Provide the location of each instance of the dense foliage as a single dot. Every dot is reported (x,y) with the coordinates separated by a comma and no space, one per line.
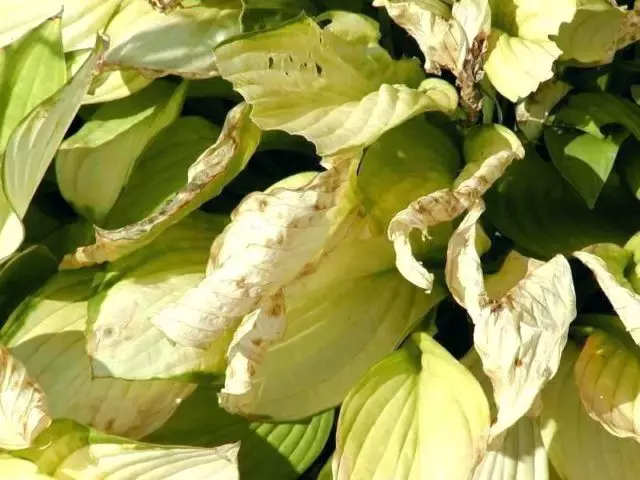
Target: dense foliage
(279,239)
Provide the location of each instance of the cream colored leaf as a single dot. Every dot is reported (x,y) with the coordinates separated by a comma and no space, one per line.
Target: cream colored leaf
(248,348)
(519,333)
(23,411)
(497,147)
(217,166)
(270,240)
(610,277)
(607,374)
(12,467)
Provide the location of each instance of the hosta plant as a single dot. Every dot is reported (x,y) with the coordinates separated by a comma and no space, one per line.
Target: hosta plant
(353,240)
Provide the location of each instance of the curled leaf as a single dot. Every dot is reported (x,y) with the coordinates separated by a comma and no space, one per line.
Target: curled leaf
(248,348)
(214,169)
(607,374)
(521,319)
(491,150)
(23,411)
(533,111)
(607,262)
(451,38)
(271,239)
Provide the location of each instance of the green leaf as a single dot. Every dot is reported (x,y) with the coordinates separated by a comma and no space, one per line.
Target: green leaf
(70,451)
(206,177)
(532,112)
(598,29)
(93,165)
(334,86)
(18,468)
(31,70)
(22,273)
(32,147)
(416,414)
(46,333)
(407,162)
(578,446)
(584,160)
(591,112)
(635,93)
(285,450)
(536,208)
(630,164)
(180,43)
(342,318)
(263,14)
(161,170)
(121,339)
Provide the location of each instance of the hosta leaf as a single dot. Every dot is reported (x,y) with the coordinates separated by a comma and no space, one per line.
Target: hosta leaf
(608,263)
(592,111)
(584,160)
(31,148)
(93,165)
(409,161)
(520,54)
(31,70)
(578,446)
(81,19)
(180,42)
(630,164)
(598,29)
(534,110)
(285,450)
(18,468)
(271,238)
(453,38)
(205,178)
(341,318)
(161,170)
(521,319)
(606,373)
(69,451)
(46,333)
(521,455)
(489,150)
(416,414)
(536,208)
(24,413)
(334,86)
(121,340)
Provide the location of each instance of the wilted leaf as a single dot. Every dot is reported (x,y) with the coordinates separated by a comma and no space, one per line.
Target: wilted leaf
(521,319)
(578,446)
(208,175)
(271,238)
(489,150)
(608,263)
(416,414)
(342,317)
(453,38)
(31,148)
(334,86)
(121,339)
(23,411)
(94,165)
(46,333)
